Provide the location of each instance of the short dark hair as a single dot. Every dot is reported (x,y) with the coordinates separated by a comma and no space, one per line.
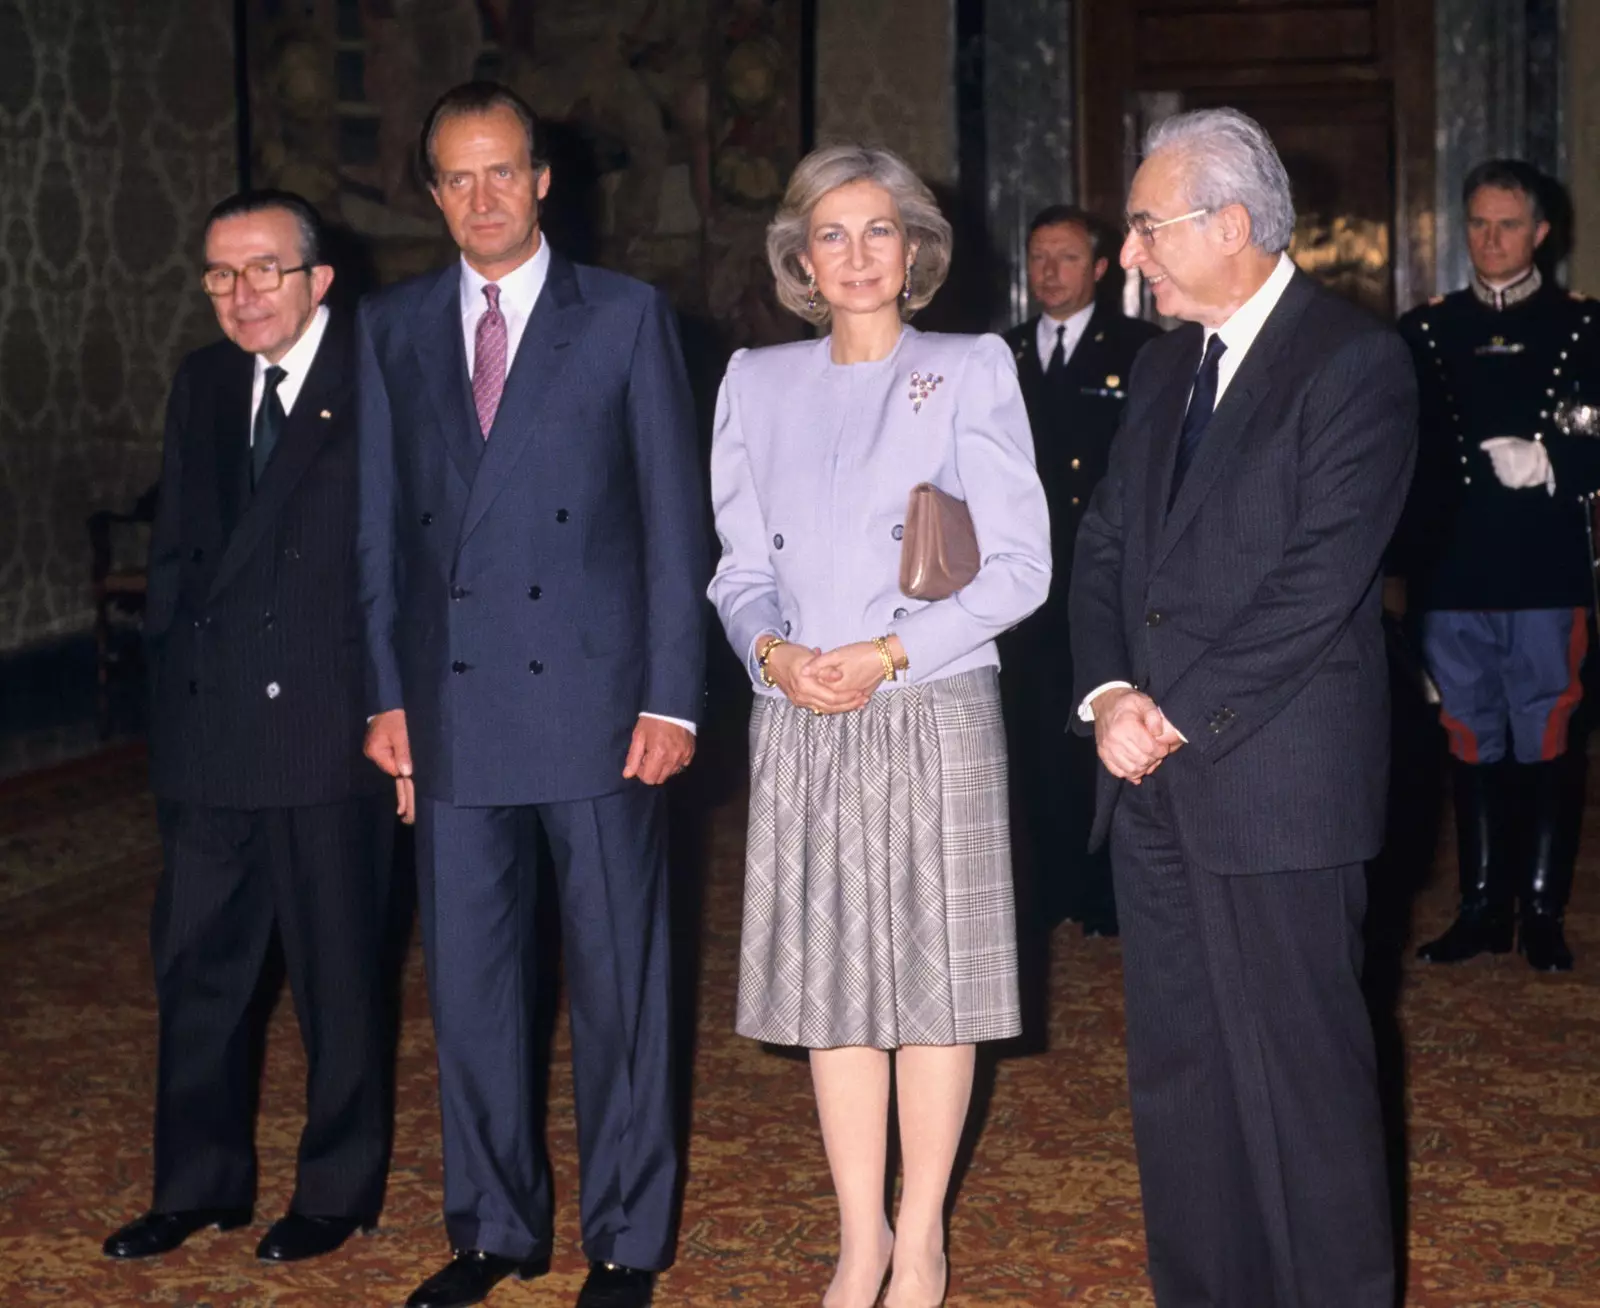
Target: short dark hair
(478,97)
(1056,214)
(1507,175)
(304,213)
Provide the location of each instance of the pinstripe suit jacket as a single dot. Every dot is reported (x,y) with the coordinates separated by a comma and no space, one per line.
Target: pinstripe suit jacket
(1250,611)
(251,626)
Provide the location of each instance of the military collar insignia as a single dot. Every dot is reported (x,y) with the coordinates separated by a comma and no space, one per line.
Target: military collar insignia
(1523,288)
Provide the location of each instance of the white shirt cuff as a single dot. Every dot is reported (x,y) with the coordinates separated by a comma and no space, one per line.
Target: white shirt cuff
(1085,713)
(662,717)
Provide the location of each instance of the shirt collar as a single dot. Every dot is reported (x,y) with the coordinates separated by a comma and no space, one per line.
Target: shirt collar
(1073,322)
(1513,292)
(1240,331)
(297,363)
(519,288)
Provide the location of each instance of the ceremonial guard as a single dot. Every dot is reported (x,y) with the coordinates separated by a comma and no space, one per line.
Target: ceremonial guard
(1073,360)
(1499,565)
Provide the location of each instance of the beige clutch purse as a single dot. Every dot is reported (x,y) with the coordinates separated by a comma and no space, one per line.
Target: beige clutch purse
(939,549)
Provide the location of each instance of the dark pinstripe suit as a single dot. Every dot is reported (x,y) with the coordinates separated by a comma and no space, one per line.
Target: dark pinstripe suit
(1250,613)
(270,816)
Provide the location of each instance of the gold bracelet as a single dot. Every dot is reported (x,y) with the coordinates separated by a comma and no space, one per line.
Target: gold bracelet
(763,655)
(881,644)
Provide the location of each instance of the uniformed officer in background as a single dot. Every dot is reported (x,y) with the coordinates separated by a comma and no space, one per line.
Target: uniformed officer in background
(1498,565)
(1073,359)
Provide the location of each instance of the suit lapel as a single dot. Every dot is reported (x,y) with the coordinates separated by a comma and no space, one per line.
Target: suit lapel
(1029,373)
(230,439)
(323,397)
(1231,421)
(441,350)
(1167,420)
(558,317)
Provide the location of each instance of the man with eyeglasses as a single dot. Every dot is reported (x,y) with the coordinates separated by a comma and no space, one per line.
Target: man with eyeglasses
(1226,636)
(1074,360)
(272,821)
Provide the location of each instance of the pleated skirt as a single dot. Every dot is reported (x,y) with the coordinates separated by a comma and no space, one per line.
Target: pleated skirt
(878,904)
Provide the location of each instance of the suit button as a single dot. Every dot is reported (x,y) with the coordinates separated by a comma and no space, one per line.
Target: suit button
(899,531)
(562,515)
(900,613)
(536,667)
(1075,465)
(458,667)
(291,553)
(426,520)
(777,541)
(535,591)
(1152,618)
(194,687)
(273,690)
(269,620)
(1074,499)
(459,592)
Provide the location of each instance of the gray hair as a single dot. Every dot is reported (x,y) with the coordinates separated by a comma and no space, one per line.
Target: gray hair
(826,169)
(1228,158)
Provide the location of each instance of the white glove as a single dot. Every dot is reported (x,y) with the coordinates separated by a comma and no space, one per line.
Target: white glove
(1520,464)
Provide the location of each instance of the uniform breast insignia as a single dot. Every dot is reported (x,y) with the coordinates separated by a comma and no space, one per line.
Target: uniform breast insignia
(923,384)
(1437,299)
(1499,345)
(1099,336)
(1111,390)
(1113,381)
(325,414)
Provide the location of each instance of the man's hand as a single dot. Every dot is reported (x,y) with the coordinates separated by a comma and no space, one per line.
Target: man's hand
(1131,734)
(389,747)
(660,749)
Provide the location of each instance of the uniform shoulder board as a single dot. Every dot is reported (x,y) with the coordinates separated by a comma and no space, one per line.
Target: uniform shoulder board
(1437,299)
(1577,295)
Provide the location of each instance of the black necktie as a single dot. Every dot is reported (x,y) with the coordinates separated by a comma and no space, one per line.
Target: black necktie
(1058,356)
(268,426)
(1202,400)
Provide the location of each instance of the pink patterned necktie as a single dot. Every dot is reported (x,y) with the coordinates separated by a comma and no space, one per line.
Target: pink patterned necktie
(489,360)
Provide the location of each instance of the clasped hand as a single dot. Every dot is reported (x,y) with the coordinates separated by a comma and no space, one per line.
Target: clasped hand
(1131,734)
(837,681)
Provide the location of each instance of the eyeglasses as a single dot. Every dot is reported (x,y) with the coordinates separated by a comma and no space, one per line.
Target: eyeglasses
(1146,230)
(262,276)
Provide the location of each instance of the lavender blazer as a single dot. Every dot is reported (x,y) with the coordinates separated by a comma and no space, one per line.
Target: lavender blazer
(811,466)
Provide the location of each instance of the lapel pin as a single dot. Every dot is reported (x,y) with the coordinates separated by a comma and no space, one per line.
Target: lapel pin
(326,414)
(1113,381)
(1099,336)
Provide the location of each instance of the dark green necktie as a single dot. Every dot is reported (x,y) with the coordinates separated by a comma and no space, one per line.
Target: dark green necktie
(269,424)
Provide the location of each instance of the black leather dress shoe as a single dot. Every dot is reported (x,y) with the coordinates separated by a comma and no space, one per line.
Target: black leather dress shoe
(296,1237)
(159,1233)
(613,1286)
(469,1277)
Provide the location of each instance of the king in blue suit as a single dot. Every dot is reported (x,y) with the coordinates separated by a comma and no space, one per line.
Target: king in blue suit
(533,557)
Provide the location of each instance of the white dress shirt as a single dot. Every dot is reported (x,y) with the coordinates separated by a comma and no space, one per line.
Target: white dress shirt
(1045,334)
(519,292)
(295,364)
(1238,334)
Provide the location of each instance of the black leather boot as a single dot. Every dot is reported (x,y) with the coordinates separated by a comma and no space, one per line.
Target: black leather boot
(1556,791)
(1484,924)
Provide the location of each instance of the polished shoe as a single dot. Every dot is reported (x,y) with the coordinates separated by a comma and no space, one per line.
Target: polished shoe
(613,1286)
(469,1277)
(296,1237)
(159,1233)
(1544,944)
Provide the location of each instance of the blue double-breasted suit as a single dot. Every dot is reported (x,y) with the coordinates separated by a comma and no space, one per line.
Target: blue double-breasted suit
(528,592)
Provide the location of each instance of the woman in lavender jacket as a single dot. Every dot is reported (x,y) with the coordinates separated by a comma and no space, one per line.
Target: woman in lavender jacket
(878,914)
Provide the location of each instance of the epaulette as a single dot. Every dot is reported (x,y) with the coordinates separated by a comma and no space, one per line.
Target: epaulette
(1437,299)
(1577,295)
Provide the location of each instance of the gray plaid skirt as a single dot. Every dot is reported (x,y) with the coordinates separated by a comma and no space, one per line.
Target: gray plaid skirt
(877,901)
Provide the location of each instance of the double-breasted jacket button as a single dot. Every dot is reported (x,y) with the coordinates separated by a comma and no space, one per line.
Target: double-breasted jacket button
(534,592)
(899,531)
(535,667)
(269,619)
(459,592)
(562,515)
(273,690)
(900,613)
(777,541)
(291,553)
(458,667)
(426,520)
(1152,618)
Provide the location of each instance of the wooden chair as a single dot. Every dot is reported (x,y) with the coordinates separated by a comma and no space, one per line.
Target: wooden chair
(119,588)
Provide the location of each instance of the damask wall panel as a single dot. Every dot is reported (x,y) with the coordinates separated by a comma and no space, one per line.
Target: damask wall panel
(116,135)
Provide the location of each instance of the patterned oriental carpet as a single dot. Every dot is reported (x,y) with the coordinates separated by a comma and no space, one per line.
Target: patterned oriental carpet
(1504,1113)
